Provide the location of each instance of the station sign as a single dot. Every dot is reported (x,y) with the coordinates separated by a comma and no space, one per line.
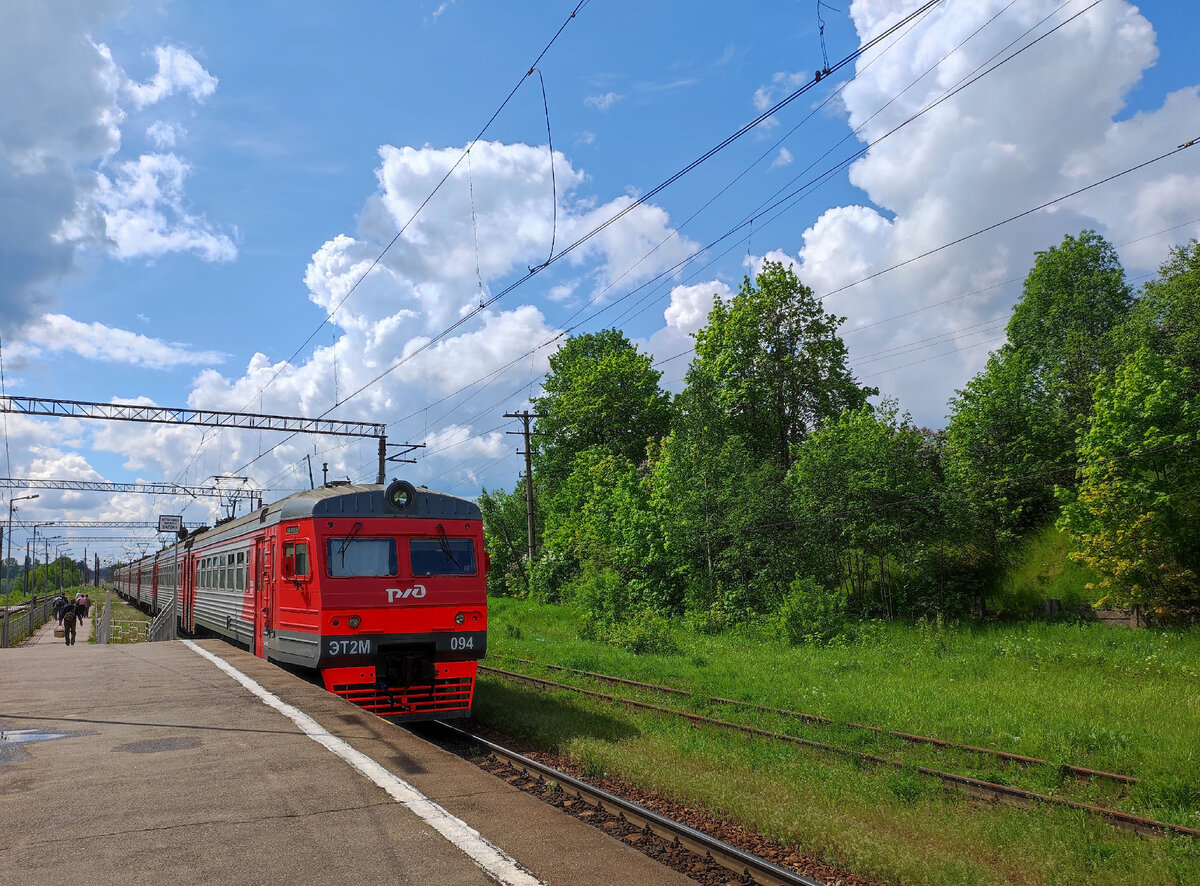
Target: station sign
(169,523)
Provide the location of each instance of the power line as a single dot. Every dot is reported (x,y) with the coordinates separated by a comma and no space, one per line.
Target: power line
(1019,215)
(430,196)
(908,24)
(465,154)
(612,219)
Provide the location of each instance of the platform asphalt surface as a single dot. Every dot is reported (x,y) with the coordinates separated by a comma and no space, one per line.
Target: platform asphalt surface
(168,770)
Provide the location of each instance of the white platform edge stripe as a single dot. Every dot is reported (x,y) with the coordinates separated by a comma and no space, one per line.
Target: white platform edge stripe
(494,862)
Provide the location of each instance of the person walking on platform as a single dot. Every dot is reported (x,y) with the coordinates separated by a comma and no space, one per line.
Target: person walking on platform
(68,623)
(60,603)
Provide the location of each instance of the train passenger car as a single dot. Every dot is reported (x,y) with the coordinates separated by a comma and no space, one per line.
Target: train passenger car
(381,590)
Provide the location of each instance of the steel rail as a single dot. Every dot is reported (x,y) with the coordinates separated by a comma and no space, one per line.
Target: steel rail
(750,868)
(1071,769)
(974,786)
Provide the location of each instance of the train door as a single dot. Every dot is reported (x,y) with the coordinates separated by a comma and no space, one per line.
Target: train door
(187,591)
(154,585)
(259,571)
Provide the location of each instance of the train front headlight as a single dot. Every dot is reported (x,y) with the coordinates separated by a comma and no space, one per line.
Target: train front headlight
(355,621)
(460,617)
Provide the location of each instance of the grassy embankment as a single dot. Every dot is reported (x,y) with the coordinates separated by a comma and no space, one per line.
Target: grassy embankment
(1112,699)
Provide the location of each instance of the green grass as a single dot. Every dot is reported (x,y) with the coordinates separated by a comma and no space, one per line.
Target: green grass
(1106,698)
(128,623)
(1039,569)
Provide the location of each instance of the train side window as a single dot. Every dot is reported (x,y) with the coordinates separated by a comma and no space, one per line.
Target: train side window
(295,560)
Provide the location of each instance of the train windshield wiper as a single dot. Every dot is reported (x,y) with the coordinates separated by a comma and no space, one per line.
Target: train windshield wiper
(445,545)
(346,541)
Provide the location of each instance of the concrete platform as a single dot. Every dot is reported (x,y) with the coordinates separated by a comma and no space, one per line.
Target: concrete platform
(169,771)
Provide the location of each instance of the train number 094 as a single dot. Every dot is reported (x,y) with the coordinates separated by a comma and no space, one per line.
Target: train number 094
(463,642)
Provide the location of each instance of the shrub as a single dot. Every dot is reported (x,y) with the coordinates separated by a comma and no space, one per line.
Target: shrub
(713,620)
(811,613)
(549,574)
(645,633)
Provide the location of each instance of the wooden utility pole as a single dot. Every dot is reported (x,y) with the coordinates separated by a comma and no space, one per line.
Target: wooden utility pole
(526,416)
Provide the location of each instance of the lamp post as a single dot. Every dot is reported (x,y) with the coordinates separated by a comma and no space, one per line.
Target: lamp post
(8,587)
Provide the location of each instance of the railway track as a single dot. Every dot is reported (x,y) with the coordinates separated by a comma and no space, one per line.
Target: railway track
(626,820)
(1081,772)
(975,787)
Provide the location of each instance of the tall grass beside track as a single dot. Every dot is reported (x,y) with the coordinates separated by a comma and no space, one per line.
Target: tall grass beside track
(1118,700)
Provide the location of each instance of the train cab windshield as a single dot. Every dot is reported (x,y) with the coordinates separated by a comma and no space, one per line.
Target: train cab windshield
(360,557)
(442,556)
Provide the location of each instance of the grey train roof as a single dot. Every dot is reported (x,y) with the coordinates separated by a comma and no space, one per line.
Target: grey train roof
(335,501)
(367,501)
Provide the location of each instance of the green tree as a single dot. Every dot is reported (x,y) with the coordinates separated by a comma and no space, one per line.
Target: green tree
(506,537)
(867,493)
(769,370)
(602,399)
(601,391)
(1136,515)
(1073,298)
(1005,450)
(612,530)
(770,366)
(1166,317)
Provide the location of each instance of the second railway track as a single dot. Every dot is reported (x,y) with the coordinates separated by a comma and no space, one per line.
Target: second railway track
(976,787)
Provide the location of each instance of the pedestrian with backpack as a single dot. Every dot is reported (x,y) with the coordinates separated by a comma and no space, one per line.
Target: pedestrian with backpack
(70,613)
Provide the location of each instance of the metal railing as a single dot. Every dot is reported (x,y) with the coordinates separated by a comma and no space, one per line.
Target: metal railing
(18,626)
(102,629)
(164,626)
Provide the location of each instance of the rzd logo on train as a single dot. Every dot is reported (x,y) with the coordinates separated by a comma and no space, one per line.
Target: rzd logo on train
(395,594)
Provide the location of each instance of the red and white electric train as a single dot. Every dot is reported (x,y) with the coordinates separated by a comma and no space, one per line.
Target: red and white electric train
(381,590)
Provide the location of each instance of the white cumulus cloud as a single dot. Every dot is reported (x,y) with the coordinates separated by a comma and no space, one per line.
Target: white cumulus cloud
(57,333)
(603,101)
(1020,136)
(178,71)
(144,213)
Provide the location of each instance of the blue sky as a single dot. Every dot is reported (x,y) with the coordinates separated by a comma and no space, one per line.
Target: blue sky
(186,191)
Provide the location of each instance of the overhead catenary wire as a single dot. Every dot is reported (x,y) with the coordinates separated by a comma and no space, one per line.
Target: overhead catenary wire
(898,34)
(793,96)
(1043,206)
(420,208)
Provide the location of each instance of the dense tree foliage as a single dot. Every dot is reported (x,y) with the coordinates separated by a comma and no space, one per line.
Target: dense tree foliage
(770,369)
(600,392)
(1166,318)
(1136,514)
(770,366)
(601,407)
(506,535)
(769,489)
(867,492)
(1073,299)
(1005,450)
